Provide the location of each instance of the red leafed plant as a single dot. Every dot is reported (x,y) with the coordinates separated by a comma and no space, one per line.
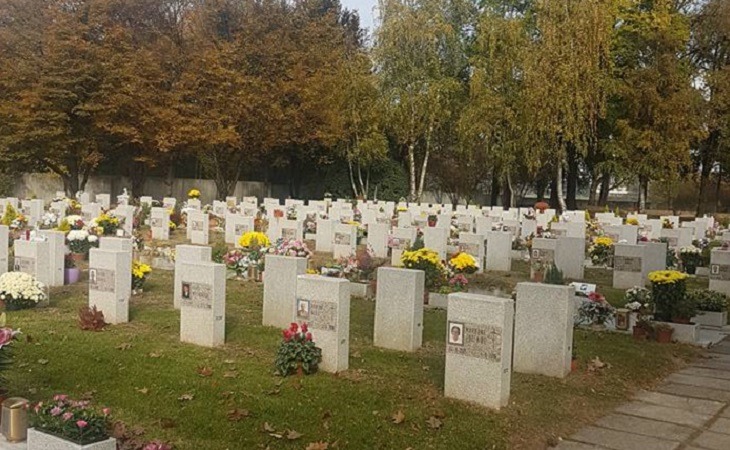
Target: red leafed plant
(91,319)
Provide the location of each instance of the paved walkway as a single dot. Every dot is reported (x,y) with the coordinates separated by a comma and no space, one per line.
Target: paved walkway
(689,411)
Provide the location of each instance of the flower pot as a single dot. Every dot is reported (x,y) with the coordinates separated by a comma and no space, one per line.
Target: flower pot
(640,333)
(664,336)
(78,257)
(573,365)
(682,320)
(38,440)
(71,275)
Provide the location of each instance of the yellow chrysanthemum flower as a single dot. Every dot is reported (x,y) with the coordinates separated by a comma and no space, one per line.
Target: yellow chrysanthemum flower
(251,238)
(666,276)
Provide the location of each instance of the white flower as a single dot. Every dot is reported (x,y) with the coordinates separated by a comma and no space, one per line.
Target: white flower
(93,238)
(19,285)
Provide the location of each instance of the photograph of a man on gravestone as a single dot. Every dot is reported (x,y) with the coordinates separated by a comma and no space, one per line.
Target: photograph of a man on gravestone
(92,276)
(186,291)
(715,269)
(456,333)
(155,222)
(303,309)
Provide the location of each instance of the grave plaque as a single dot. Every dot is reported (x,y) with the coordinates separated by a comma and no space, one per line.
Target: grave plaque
(24,264)
(475,341)
(289,234)
(318,314)
(719,272)
(241,228)
(196,295)
(101,280)
(401,244)
(196,225)
(471,248)
(627,264)
(342,239)
(543,255)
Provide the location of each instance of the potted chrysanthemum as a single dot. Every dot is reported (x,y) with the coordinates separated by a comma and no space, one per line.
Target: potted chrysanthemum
(19,290)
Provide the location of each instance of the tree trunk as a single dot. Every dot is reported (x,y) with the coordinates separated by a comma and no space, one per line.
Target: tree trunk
(506,193)
(494,191)
(554,194)
(704,180)
(352,179)
(423,174)
(559,187)
(605,189)
(170,178)
(412,169)
(642,194)
(718,189)
(572,178)
(592,198)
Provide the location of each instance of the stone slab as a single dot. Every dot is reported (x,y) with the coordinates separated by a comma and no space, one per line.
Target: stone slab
(709,373)
(712,383)
(663,413)
(399,309)
(703,407)
(280,289)
(646,427)
(110,283)
(619,440)
(694,391)
(203,303)
(185,254)
(713,441)
(721,425)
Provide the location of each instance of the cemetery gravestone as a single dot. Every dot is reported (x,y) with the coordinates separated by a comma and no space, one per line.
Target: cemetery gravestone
(198,226)
(105,200)
(499,251)
(324,304)
(203,303)
(110,283)
(323,238)
(399,309)
(160,223)
(479,349)
(31,257)
(280,289)
(56,255)
(402,240)
(345,240)
(628,262)
(436,239)
(473,244)
(377,239)
(543,334)
(4,243)
(570,256)
(720,271)
(187,254)
(236,226)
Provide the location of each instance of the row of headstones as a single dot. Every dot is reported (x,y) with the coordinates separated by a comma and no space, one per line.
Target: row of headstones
(486,337)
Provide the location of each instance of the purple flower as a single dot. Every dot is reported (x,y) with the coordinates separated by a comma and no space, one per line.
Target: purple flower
(56,411)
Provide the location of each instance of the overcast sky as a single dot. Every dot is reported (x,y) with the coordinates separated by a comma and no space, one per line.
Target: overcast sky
(365,8)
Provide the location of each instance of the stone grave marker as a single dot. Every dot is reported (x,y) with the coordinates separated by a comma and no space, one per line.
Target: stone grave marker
(479,349)
(110,283)
(473,244)
(198,227)
(377,239)
(31,257)
(105,200)
(203,303)
(543,335)
(499,251)
(720,271)
(236,226)
(160,223)
(570,256)
(344,242)
(4,243)
(436,239)
(399,309)
(324,237)
(56,255)
(280,289)
(402,239)
(324,304)
(187,254)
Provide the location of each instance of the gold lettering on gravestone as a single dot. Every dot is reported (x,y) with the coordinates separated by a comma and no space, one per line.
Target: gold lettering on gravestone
(627,263)
(102,280)
(475,341)
(24,264)
(317,314)
(719,272)
(197,295)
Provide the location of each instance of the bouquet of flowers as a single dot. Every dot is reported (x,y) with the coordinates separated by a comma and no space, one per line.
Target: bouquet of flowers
(291,247)
(601,251)
(139,275)
(80,241)
(638,299)
(72,420)
(427,260)
(310,224)
(596,310)
(291,213)
(49,221)
(691,257)
(253,240)
(669,291)
(72,223)
(297,352)
(457,283)
(107,224)
(463,263)
(20,290)
(193,194)
(237,261)
(632,221)
(667,224)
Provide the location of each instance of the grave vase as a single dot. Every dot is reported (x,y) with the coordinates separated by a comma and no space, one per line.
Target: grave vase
(78,257)
(38,440)
(71,275)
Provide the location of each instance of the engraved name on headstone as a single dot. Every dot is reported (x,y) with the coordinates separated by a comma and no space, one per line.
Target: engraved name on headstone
(342,239)
(475,341)
(318,314)
(720,272)
(101,280)
(626,264)
(24,264)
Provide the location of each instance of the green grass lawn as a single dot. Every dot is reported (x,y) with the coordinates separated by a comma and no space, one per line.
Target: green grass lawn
(152,381)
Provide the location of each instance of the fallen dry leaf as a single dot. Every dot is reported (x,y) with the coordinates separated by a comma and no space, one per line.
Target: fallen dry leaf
(124,346)
(143,390)
(398,417)
(230,374)
(154,355)
(43,362)
(596,364)
(268,428)
(318,446)
(293,435)
(236,415)
(434,423)
(229,361)
(186,397)
(205,371)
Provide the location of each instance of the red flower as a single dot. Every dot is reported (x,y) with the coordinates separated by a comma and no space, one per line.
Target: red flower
(309,336)
(305,328)
(294,327)
(287,335)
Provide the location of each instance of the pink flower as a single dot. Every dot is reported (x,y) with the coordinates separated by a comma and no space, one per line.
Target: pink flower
(6,335)
(81,423)
(106,411)
(56,411)
(68,416)
(305,328)
(60,397)
(308,336)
